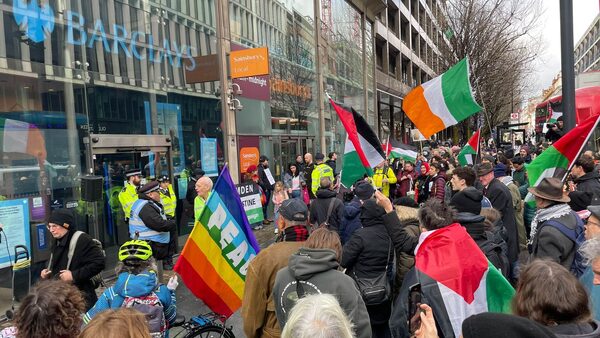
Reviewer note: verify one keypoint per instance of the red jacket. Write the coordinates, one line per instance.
(403, 186)
(438, 187)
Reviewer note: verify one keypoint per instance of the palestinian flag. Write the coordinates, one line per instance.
(22, 137)
(560, 156)
(469, 151)
(457, 279)
(443, 101)
(362, 150)
(395, 149)
(554, 117)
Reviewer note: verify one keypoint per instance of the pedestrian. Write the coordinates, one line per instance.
(591, 277)
(422, 184)
(501, 199)
(294, 181)
(119, 323)
(252, 177)
(300, 165)
(74, 257)
(129, 194)
(586, 178)
(437, 181)
(525, 154)
(137, 284)
(579, 202)
(321, 170)
(149, 223)
(362, 191)
(266, 185)
(279, 195)
(53, 309)
(548, 294)
(318, 316)
(168, 199)
(327, 210)
(592, 226)
(258, 309)
(406, 208)
(519, 174)
(367, 255)
(309, 166)
(501, 173)
(383, 176)
(331, 162)
(501, 325)
(555, 130)
(547, 239)
(406, 179)
(203, 188)
(314, 269)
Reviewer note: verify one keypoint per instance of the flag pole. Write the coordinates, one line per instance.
(485, 115)
(478, 145)
(582, 146)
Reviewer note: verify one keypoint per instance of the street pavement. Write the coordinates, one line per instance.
(188, 305)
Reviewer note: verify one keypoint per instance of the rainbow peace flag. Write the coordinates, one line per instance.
(215, 258)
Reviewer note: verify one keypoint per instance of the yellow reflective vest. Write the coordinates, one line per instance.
(127, 197)
(378, 176)
(320, 171)
(199, 204)
(169, 202)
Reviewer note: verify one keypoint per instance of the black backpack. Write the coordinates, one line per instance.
(496, 255)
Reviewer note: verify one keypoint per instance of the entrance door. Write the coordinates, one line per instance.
(112, 156)
(288, 149)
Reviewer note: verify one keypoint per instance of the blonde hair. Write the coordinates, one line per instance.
(279, 186)
(119, 323)
(318, 316)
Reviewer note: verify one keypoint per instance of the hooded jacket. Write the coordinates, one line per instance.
(589, 182)
(320, 206)
(501, 199)
(351, 220)
(576, 330)
(405, 261)
(317, 272)
(438, 186)
(518, 205)
(130, 285)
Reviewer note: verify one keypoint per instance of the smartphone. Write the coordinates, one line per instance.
(414, 303)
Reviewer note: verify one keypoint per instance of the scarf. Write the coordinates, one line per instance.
(542, 215)
(296, 233)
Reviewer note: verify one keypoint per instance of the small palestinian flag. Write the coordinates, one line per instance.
(469, 151)
(395, 149)
(362, 151)
(457, 278)
(559, 157)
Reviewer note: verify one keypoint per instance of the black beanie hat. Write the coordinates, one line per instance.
(580, 200)
(406, 202)
(363, 190)
(492, 325)
(467, 200)
(62, 216)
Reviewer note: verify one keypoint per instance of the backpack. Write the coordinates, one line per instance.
(96, 280)
(496, 255)
(577, 236)
(151, 306)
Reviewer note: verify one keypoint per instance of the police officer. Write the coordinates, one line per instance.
(129, 194)
(321, 170)
(149, 222)
(203, 187)
(168, 199)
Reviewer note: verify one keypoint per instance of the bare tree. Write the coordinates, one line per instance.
(501, 41)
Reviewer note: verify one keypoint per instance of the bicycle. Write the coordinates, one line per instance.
(208, 325)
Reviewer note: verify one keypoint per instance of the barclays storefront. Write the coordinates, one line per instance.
(74, 68)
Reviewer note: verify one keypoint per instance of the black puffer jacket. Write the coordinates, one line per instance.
(320, 206)
(369, 253)
(590, 182)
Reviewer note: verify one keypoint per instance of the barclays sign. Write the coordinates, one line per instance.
(36, 21)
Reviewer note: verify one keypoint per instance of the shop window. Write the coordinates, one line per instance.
(12, 36)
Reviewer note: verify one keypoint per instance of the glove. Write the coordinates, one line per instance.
(173, 283)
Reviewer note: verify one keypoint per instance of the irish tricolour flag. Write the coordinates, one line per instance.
(470, 150)
(559, 157)
(457, 279)
(362, 151)
(22, 137)
(443, 101)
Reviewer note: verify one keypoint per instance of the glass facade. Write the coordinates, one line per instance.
(74, 68)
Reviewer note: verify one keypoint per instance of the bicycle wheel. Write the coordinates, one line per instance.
(211, 331)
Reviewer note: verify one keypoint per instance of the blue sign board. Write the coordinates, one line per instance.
(41, 235)
(208, 155)
(14, 217)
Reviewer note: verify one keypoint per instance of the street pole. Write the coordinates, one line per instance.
(567, 63)
(228, 115)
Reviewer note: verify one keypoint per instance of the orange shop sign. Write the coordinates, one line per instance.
(249, 62)
(248, 156)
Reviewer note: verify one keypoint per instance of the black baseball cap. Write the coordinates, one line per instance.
(294, 209)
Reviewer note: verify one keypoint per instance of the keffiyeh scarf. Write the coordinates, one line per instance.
(542, 215)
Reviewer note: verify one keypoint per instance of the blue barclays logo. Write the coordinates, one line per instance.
(35, 19)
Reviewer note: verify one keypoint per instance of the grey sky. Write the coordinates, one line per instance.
(548, 63)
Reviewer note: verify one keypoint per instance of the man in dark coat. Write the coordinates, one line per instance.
(327, 208)
(586, 177)
(265, 184)
(308, 169)
(86, 262)
(501, 199)
(547, 241)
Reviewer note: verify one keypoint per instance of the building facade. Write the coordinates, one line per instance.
(99, 87)
(407, 39)
(587, 49)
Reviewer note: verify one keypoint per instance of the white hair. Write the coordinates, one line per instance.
(318, 316)
(590, 250)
